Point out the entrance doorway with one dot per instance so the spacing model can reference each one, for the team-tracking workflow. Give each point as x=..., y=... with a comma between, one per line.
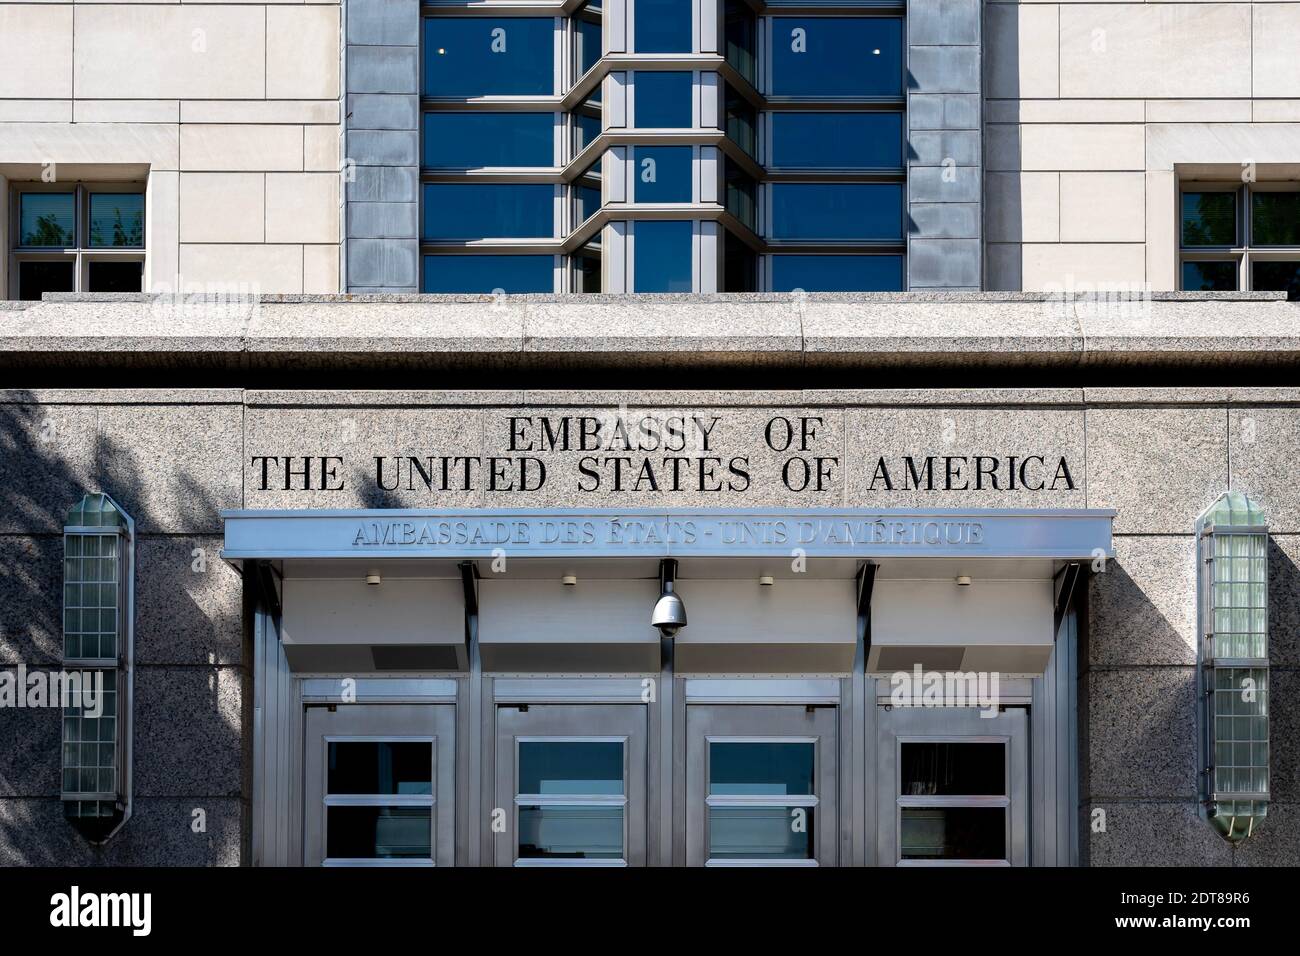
x=571, y=782
x=379, y=785
x=761, y=785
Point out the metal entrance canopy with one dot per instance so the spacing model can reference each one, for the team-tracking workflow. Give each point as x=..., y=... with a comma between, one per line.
x=1078, y=534
x=533, y=616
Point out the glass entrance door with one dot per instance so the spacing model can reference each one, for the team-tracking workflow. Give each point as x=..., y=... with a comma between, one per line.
x=571, y=780
x=760, y=785
x=953, y=787
x=379, y=785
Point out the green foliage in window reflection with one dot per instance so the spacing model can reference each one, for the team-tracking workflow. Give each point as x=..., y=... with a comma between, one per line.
x=47, y=220
x=1210, y=219
x=1275, y=219
x=117, y=220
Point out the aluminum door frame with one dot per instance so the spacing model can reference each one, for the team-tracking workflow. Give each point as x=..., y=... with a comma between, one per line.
x=899, y=725
x=818, y=723
x=435, y=723
x=571, y=722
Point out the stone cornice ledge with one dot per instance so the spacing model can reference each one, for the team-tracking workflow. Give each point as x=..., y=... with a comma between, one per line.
x=885, y=330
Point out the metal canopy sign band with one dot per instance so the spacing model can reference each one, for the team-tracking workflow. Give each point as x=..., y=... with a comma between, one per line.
x=849, y=533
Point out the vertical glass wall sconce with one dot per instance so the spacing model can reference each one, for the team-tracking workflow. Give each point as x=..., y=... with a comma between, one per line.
x=1232, y=660
x=98, y=660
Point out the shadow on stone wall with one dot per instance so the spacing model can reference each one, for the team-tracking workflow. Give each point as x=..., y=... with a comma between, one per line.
x=1138, y=711
x=190, y=680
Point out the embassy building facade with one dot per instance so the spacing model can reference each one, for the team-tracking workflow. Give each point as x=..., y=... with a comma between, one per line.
x=650, y=432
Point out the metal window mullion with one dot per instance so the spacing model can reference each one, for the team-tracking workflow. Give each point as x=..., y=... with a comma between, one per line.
x=740, y=802
x=566, y=800
x=380, y=800
x=917, y=802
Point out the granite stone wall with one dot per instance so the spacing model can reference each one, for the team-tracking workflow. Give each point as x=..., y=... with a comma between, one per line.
x=171, y=459
x=174, y=458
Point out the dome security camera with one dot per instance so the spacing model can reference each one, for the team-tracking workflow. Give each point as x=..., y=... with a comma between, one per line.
x=669, y=614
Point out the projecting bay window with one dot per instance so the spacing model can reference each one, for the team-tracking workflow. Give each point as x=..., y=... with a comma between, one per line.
x=98, y=600
x=76, y=238
x=779, y=166
x=1239, y=237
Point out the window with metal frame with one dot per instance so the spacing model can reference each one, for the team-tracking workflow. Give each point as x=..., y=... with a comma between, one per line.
x=98, y=661
x=1239, y=237
x=76, y=237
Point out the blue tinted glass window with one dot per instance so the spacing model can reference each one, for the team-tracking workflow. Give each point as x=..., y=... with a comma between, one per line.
x=469, y=140
x=588, y=44
x=488, y=211
x=662, y=256
x=662, y=100
x=481, y=56
x=837, y=56
x=117, y=220
x=662, y=26
x=585, y=129
x=837, y=273
x=663, y=173
x=825, y=140
x=586, y=193
x=861, y=211
x=485, y=274
x=48, y=219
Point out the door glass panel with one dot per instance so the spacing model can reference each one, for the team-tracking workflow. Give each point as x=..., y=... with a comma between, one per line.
x=954, y=833
x=761, y=769
x=378, y=833
x=768, y=833
x=571, y=832
x=372, y=767
x=953, y=769
x=550, y=767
